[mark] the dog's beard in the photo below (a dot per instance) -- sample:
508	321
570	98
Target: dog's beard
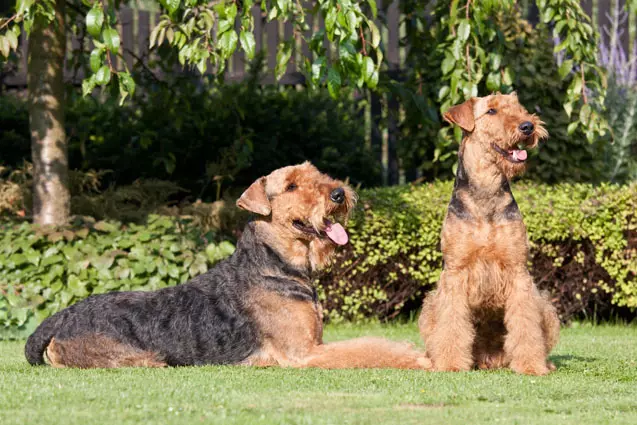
321	252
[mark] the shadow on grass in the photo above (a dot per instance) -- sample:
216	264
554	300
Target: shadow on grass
569	360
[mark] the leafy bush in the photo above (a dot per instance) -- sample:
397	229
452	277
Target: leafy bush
583	243
583	248
43	270
204	137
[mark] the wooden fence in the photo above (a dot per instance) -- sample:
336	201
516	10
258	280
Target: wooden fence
135	26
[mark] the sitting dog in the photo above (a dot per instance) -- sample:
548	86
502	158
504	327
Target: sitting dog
486	310
258	307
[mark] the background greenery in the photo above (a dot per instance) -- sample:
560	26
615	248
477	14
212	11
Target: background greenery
583	251
594	384
582	239
140	169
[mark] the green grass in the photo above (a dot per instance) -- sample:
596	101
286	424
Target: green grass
596	383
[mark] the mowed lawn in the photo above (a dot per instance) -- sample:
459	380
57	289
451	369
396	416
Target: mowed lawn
596	383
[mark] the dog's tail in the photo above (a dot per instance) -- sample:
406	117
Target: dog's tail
40	339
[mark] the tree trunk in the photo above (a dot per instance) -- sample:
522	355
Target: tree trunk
45	79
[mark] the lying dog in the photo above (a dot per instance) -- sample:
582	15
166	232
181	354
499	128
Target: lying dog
257	307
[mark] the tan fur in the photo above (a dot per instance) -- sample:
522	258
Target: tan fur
293	333
486	311
277	207
292	329
98	351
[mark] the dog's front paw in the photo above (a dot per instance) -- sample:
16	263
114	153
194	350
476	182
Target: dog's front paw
424	363
528	368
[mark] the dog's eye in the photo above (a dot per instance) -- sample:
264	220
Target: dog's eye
492	111
290	187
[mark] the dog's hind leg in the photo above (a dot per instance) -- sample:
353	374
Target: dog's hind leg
445	324
98	351
368	353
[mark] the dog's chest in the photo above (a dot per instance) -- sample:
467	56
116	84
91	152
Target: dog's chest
466	243
488	254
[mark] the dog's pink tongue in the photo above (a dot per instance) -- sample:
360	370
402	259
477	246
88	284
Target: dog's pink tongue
336	233
519	154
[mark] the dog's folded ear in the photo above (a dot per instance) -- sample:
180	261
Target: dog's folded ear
254	199
461	115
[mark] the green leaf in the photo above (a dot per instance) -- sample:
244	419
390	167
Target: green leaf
77	287
495	60
330	22
333	81
352	21
493	81
375	34
57	258
565	68
368	68
443	92
23	6
585	113
464	30
96	59
4	46
126	86
228	43
225	25
103	76
111	39
317	68
127	81
283	56
87	87
548	14
95	20
247	43
572	127
372	81
448	64
13	39
576	85
171	5
373	7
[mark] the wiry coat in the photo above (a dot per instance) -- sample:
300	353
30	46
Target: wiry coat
258	307
486	310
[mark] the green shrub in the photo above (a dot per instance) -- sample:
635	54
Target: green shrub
583	248
202	137
43	270
583	243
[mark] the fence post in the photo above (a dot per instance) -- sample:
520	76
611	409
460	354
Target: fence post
393	106
272	34
127	19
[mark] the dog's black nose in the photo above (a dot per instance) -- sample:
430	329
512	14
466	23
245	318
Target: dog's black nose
338	195
527	128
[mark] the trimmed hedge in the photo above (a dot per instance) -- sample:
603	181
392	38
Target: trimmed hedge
43	270
583	248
